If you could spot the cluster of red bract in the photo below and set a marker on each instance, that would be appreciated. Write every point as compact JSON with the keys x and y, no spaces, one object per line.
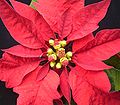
{"x":57,"y":53}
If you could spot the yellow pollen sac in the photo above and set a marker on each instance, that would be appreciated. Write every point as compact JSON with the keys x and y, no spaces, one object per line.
{"x":63,"y":43}
{"x":64,"y":61}
{"x":58,"y":65}
{"x":51,"y":42}
{"x":50,"y":51}
{"x":69,"y":54}
{"x":52,"y":57}
{"x":56,"y":47}
{"x":52,"y":64}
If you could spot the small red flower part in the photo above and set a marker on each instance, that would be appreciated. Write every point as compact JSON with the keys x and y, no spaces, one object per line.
{"x":57,"y":48}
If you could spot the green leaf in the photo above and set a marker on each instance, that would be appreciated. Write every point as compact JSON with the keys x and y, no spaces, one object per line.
{"x":73,"y":102}
{"x":114,"y":76}
{"x":31,"y":4}
{"x":34,"y":0}
{"x":113,"y":61}
{"x":114,"y":73}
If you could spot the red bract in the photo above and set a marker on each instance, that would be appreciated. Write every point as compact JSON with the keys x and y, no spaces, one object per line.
{"x":57,"y":48}
{"x":85,"y":89}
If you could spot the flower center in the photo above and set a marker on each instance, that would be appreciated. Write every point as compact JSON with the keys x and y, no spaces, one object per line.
{"x":57,"y":54}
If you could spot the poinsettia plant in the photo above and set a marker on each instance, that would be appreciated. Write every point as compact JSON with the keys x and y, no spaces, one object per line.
{"x":58,"y":57}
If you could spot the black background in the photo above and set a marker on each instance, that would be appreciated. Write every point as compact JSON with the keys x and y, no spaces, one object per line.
{"x":111,"y":20}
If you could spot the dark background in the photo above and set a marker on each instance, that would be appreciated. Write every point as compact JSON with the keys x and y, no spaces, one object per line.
{"x":111,"y":20}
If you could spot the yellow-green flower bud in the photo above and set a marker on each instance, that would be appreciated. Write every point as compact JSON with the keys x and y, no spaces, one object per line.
{"x":58,"y":65}
{"x":52,"y":64}
{"x":57,"y":46}
{"x":52,"y":57}
{"x":50,"y":51}
{"x":64,"y":61}
{"x":51,"y":42}
{"x":63,"y":43}
{"x":69,"y":54}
